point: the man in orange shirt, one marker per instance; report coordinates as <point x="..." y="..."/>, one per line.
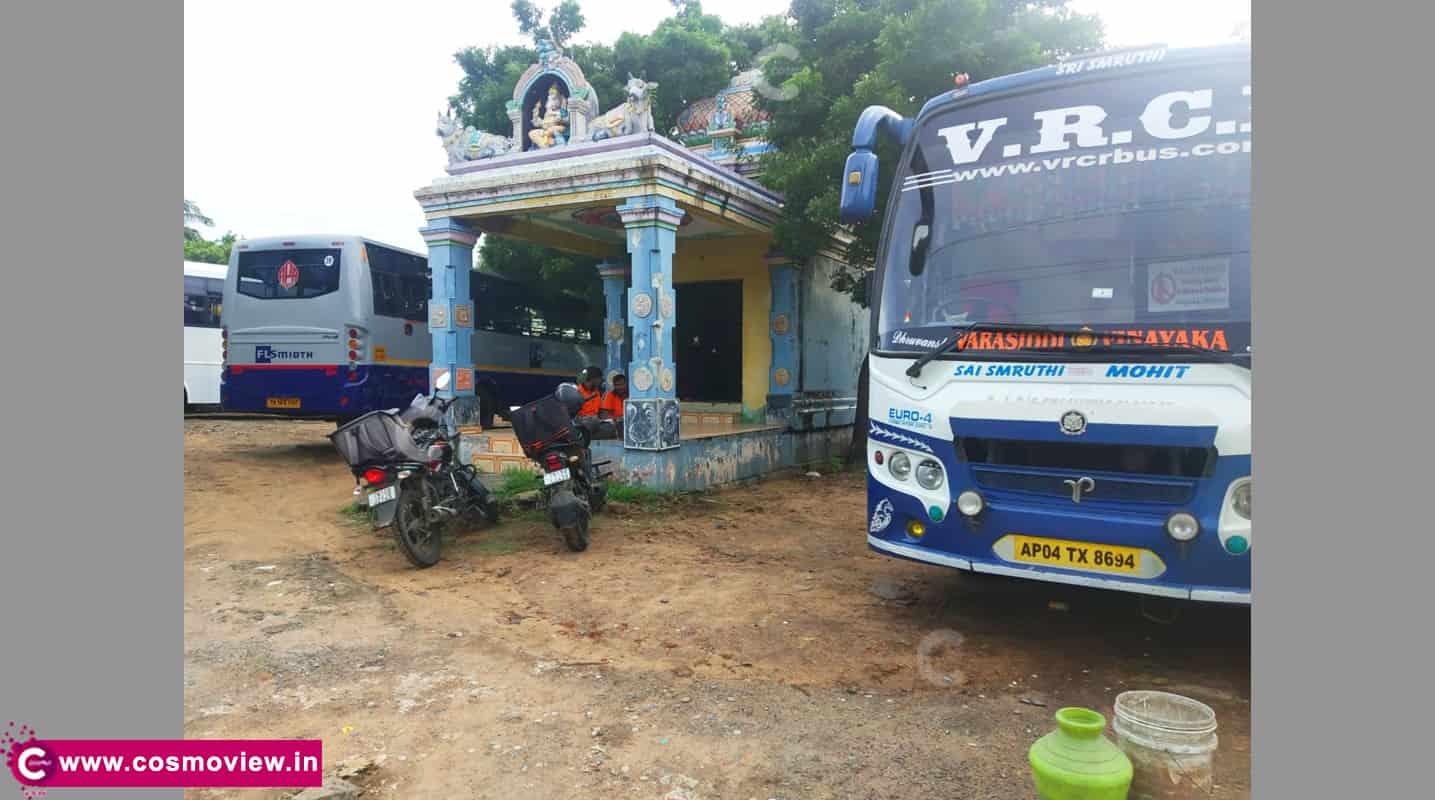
<point x="613" y="401"/>
<point x="590" y="384"/>
<point x="593" y="415"/>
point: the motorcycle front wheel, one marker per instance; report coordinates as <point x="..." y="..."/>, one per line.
<point x="418" y="534"/>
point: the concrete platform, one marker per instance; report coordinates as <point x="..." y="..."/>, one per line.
<point x="710" y="454"/>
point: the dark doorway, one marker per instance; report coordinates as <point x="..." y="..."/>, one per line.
<point x="707" y="343"/>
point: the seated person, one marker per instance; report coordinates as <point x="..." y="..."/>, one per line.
<point x="590" y="416"/>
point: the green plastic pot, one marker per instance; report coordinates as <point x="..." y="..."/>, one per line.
<point x="1076" y="762"/>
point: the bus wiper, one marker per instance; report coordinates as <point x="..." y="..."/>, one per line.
<point x="960" y="333"/>
<point x="1224" y="355"/>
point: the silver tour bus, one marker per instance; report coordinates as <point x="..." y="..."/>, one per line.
<point x="331" y="327"/>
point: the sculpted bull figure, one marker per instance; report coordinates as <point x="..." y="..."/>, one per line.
<point x="635" y="115"/>
<point x="465" y="143"/>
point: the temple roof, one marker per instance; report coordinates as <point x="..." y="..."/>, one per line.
<point x="740" y="101"/>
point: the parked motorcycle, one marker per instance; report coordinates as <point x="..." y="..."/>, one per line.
<point x="573" y="489"/>
<point x="407" y="461"/>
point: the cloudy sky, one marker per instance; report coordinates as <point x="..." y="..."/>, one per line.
<point x="317" y="116"/>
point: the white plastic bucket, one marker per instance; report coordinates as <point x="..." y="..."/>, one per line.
<point x="1171" y="741"/>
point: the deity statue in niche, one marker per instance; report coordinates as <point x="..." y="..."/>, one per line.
<point x="550" y="120"/>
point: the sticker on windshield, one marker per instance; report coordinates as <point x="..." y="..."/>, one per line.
<point x="1191" y="285"/>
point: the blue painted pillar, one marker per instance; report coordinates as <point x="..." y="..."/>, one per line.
<point x="650" y="417"/>
<point x="615" y="328"/>
<point x="450" y="245"/>
<point x="783" y="374"/>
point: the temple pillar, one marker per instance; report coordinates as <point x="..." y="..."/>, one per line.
<point x="450" y="246"/>
<point x="650" y="416"/>
<point x="615" y="328"/>
<point x="783" y="374"/>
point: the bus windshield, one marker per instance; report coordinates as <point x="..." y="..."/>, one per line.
<point x="289" y="273"/>
<point x="1117" y="205"/>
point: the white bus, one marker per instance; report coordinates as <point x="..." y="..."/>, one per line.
<point x="331" y="327"/>
<point x="203" y="359"/>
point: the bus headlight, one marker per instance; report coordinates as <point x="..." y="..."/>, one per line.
<point x="970" y="504"/>
<point x="929" y="474"/>
<point x="1182" y="526"/>
<point x="900" y="466"/>
<point x="1241" y="500"/>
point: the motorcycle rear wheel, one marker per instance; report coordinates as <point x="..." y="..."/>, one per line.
<point x="575" y="536"/>
<point x="419" y="536"/>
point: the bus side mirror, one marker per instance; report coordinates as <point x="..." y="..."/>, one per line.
<point x="859" y="186"/>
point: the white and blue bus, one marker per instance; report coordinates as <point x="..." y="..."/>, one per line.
<point x="330" y="327"/>
<point x="203" y="355"/>
<point x="1060" y="364"/>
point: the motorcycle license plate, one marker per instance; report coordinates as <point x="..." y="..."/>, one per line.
<point x="550" y="478"/>
<point x="383" y="495"/>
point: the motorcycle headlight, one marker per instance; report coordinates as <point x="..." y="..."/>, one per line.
<point x="1241" y="500"/>
<point x="929" y="474"/>
<point x="900" y="466"/>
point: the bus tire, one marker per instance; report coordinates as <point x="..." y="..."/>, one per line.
<point x="487" y="405"/>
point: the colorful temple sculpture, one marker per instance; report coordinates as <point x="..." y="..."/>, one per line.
<point x="740" y="361"/>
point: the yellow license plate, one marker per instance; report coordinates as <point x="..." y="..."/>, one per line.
<point x="281" y="402"/>
<point x="1076" y="555"/>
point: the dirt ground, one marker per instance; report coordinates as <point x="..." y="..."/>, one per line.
<point x="743" y="644"/>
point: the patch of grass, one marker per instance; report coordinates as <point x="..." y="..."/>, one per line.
<point x="355" y="513"/>
<point x="637" y="495"/>
<point x="836" y="465"/>
<point x="515" y="481"/>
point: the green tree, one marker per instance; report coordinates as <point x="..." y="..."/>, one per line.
<point x="566" y="20"/>
<point x="544" y="271"/>
<point x="209" y="252"/>
<point x="489" y="75"/>
<point x="897" y="53"/>
<point x="690" y="55"/>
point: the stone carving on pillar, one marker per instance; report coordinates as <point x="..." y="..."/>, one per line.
<point x="651" y="414"/>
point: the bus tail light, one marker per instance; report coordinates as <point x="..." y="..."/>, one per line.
<point x="356" y="344"/>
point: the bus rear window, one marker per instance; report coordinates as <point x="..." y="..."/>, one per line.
<point x="289" y="274"/>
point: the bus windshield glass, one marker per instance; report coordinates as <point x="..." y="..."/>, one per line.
<point x="1112" y="205"/>
<point x="289" y="274"/>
